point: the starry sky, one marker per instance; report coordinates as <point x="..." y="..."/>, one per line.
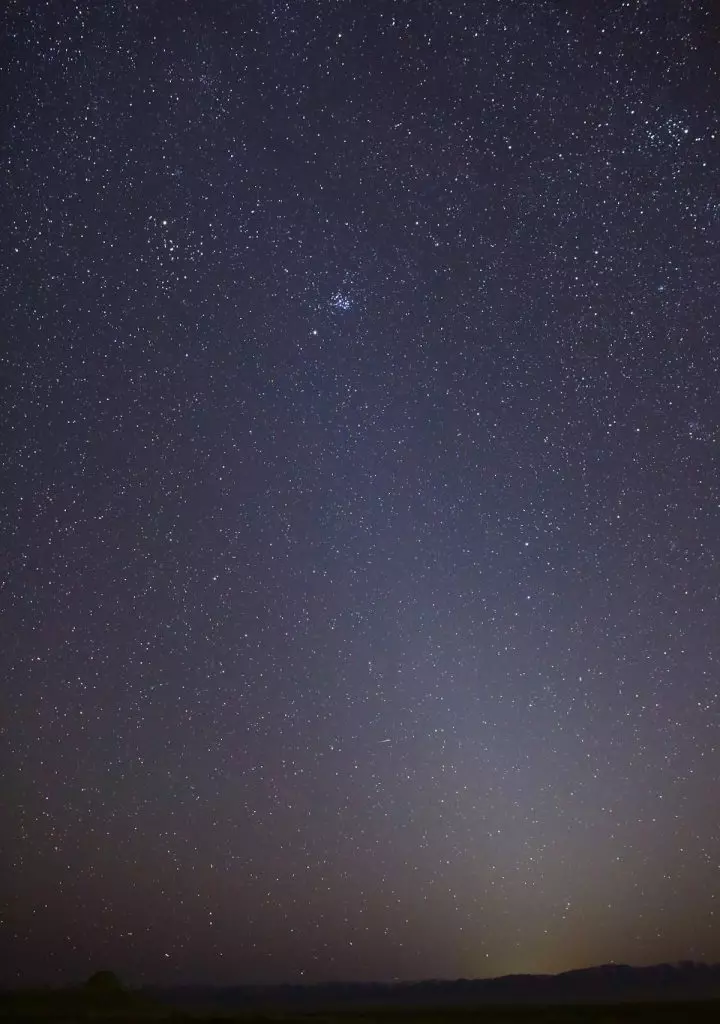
<point x="360" y="491"/>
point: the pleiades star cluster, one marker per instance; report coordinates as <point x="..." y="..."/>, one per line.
<point x="360" y="488"/>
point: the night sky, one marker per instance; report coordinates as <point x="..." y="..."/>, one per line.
<point x="360" y="488"/>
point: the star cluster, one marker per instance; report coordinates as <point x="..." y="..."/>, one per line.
<point x="360" y="488"/>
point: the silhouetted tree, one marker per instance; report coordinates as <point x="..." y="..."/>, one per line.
<point x="104" y="982"/>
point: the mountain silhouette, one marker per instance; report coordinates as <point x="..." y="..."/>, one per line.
<point x="608" y="983"/>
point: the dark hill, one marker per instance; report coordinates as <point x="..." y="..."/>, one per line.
<point x="610" y="983"/>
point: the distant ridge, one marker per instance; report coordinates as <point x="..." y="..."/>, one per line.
<point x="608" y="983"/>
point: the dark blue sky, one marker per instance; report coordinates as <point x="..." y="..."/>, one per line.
<point x="360" y="490"/>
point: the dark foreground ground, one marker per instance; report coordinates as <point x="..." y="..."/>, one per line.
<point x="45" y="1010"/>
<point x="682" y="993"/>
<point x="640" y="1013"/>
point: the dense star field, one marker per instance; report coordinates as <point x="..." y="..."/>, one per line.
<point x="360" y="488"/>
